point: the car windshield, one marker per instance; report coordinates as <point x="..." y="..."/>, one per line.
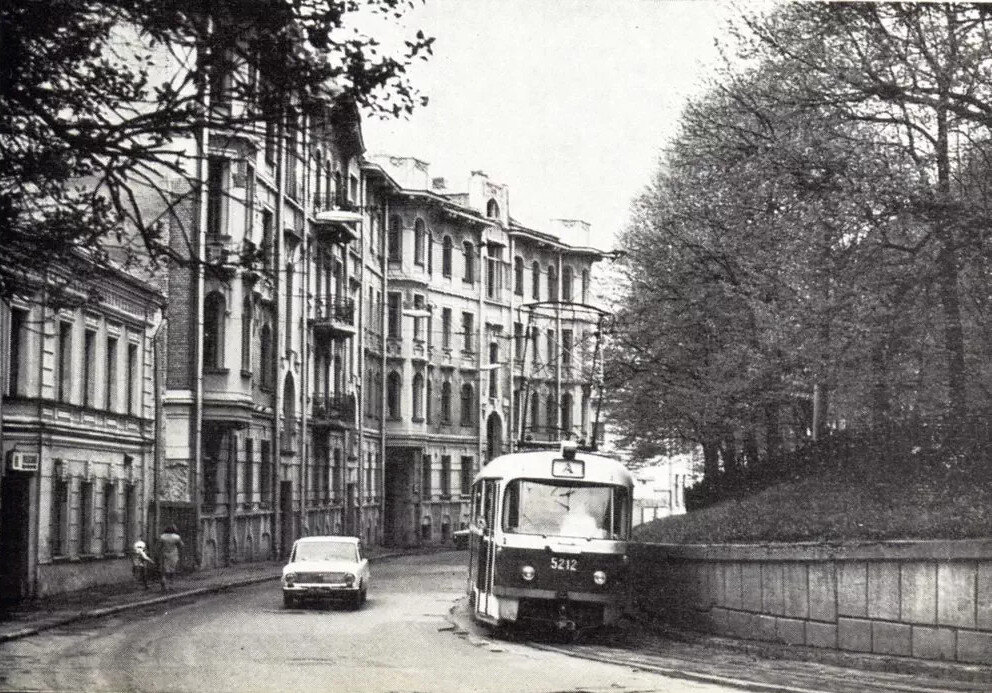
<point x="566" y="509"/>
<point x="326" y="551"/>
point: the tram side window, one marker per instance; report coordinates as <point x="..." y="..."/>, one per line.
<point x="620" y="513"/>
<point x="477" y="504"/>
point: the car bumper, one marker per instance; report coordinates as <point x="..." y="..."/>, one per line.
<point x="320" y="591"/>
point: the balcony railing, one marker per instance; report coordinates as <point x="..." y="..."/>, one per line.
<point x="334" y="410"/>
<point x="335" y="219"/>
<point x="335" y="314"/>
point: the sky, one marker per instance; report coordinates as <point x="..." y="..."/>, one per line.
<point x="569" y="102"/>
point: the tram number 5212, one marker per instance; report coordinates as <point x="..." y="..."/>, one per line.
<point x="570" y="564"/>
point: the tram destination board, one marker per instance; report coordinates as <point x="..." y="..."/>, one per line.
<point x="568" y="469"/>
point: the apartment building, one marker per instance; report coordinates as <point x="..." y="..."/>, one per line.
<point x="482" y="315"/>
<point x="78" y="434"/>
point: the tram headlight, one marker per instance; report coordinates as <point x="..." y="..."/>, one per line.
<point x="528" y="573"/>
<point x="599" y="577"/>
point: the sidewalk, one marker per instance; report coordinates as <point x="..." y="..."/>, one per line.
<point x="24" y="620"/>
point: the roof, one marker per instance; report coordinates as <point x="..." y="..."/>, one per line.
<point x="328" y="537"/>
<point x="599" y="469"/>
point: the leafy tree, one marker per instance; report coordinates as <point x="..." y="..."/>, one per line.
<point x="101" y="101"/>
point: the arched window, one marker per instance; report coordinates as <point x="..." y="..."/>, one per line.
<point x="419" y="242"/>
<point x="518" y="275"/>
<point x="585" y="286"/>
<point x="395" y="239"/>
<point x="566" y="414"/>
<point x="393" y="384"/>
<point x="265" y="364"/>
<point x="566" y="283"/>
<point x="468" y="405"/>
<point x="430" y="253"/>
<point x="535" y="281"/>
<point x="552" y="283"/>
<point x="468" y="251"/>
<point x="551" y="413"/>
<point x="214" y="309"/>
<point x="289" y="306"/>
<point x="418" y="396"/>
<point x="246" y="316"/>
<point x="535" y="412"/>
<point x="492" y="209"/>
<point x="445" y="401"/>
<point x="446" y="256"/>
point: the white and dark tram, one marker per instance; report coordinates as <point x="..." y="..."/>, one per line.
<point x="548" y="539"/>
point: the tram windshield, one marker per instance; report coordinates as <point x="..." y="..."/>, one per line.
<point x="559" y="508"/>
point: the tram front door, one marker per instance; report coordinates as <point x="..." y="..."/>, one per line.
<point x="483" y="547"/>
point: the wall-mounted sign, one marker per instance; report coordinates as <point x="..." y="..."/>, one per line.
<point x="20" y="461"/>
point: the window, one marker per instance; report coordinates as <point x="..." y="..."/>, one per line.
<point x="585" y="285"/>
<point x="336" y="474"/>
<point x="270" y="142"/>
<point x="518" y="340"/>
<point x="265" y="471"/>
<point x="213" y="330"/>
<point x="446" y="476"/>
<point x="468" y="405"/>
<point x="111" y="374"/>
<point x="418" y="320"/>
<point x="446" y="402"/>
<point x="584" y="412"/>
<point x="492" y="209"/>
<point x="535" y="412"/>
<point x="216" y="195"/>
<point x="130" y="515"/>
<point x="427" y="398"/>
<point x="518" y="276"/>
<point x="566" y="348"/>
<point x="446" y="257"/>
<point x="59" y="521"/>
<point x="395" y="239"/>
<point x="566" y="414"/>
<point x="85" y="517"/>
<point x="418" y="397"/>
<point x="394" y="309"/>
<point x="393" y="395"/>
<point x="430" y="253"/>
<point x="566" y="283"/>
<point x="551" y="346"/>
<point x="493" y="372"/>
<point x="267" y="239"/>
<point x="533" y="342"/>
<point x="246" y="315"/>
<point x="249" y="472"/>
<point x="446" y="328"/>
<point x="551" y="413"/>
<point x="265" y="364"/>
<point x="468" y="252"/>
<point x="425" y="475"/>
<point x="289" y="307"/>
<point x="468" y="331"/>
<point x="535" y="281"/>
<point x="18" y="332"/>
<point x="494" y="266"/>
<point x="89" y="367"/>
<point x="109" y="516"/>
<point x="64" y="381"/>
<point x="132" y="379"/>
<point x="419" y="242"/>
<point x="467" y="470"/>
<point x="552" y="283"/>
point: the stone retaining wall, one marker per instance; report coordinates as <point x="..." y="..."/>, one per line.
<point x="924" y="599"/>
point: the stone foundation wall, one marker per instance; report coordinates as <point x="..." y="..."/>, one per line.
<point x="924" y="599"/>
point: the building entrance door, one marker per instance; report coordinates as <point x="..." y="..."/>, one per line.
<point x="15" y="507"/>
<point x="287" y="519"/>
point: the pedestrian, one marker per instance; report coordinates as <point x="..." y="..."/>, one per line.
<point x="169" y="547"/>
<point x="141" y="563"/>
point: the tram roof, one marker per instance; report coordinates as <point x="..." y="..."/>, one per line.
<point x="537" y="465"/>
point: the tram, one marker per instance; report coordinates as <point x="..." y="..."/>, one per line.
<point x="548" y="539"/>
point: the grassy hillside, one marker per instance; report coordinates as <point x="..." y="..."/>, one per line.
<point x="864" y="500"/>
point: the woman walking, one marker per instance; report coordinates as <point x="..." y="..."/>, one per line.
<point x="169" y="547"/>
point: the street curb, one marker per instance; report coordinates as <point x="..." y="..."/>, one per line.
<point x="171" y="596"/>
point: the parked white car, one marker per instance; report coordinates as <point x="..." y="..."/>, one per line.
<point x="324" y="569"/>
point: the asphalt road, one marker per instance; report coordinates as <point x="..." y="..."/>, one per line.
<point x="244" y="640"/>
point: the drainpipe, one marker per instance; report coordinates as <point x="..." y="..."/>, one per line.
<point x="359" y="390"/>
<point x="383" y="265"/>
<point x="479" y="331"/>
<point x="159" y="431"/>
<point x="512" y="418"/>
<point x="558" y="338"/>
<point x="277" y="336"/>
<point x="304" y="332"/>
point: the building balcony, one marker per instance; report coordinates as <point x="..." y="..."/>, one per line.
<point x="334" y="411"/>
<point x="334" y="316"/>
<point x="335" y="220"/>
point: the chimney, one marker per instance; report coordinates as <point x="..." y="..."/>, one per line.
<point x="439" y="184"/>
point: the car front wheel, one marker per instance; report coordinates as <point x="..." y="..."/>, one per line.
<point x="288" y="600"/>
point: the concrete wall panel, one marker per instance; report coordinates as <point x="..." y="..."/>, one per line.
<point x="956" y="590"/>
